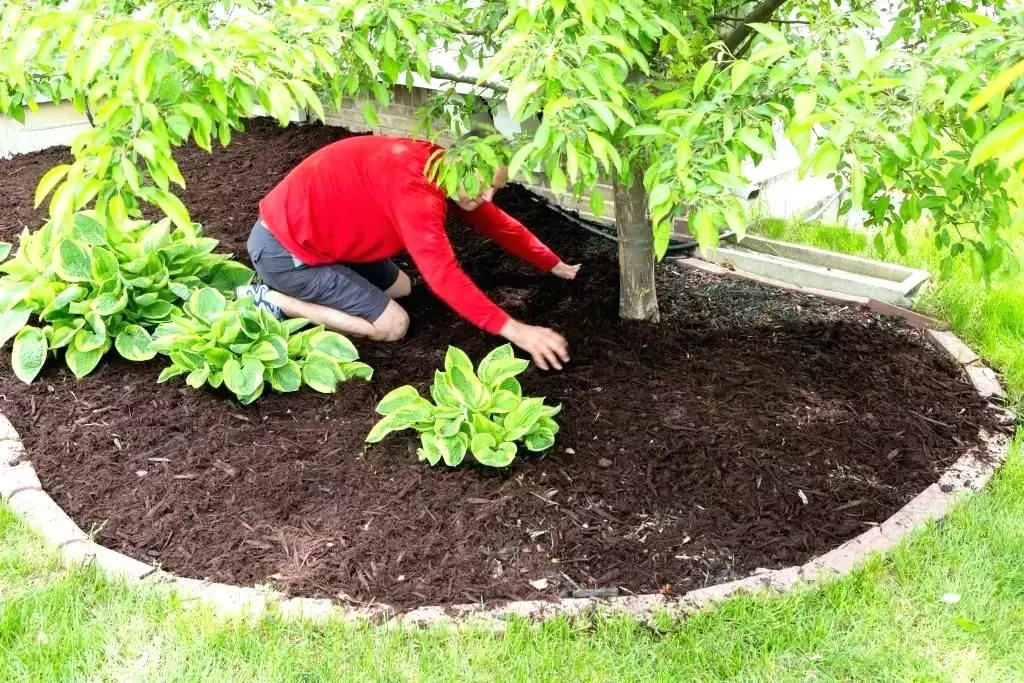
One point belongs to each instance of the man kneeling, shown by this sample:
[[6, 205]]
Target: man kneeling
[[327, 231]]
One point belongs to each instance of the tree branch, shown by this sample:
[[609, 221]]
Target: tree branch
[[760, 13], [734, 20], [455, 78]]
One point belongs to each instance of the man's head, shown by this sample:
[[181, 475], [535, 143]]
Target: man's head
[[488, 186]]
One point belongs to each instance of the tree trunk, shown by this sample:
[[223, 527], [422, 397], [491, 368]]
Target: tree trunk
[[637, 297]]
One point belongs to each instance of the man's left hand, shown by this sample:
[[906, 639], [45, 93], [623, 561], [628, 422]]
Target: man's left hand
[[565, 271]]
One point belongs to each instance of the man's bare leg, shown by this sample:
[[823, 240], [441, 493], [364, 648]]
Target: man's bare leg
[[390, 326], [402, 286]]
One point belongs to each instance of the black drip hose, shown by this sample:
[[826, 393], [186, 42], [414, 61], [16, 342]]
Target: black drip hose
[[674, 246]]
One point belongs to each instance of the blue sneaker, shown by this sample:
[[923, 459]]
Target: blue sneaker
[[259, 298]]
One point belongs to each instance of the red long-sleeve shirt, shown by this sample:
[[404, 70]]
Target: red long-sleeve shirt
[[366, 198]]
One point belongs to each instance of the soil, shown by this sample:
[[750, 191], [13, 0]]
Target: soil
[[751, 428]]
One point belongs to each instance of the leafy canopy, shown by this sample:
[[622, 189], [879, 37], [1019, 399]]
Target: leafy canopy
[[680, 95], [482, 412]]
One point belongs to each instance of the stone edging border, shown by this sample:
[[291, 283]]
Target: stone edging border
[[22, 490]]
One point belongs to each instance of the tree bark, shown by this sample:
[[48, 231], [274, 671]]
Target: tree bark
[[761, 13], [638, 299]]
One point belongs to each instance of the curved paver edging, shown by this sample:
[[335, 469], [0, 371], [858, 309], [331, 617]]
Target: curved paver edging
[[21, 488]]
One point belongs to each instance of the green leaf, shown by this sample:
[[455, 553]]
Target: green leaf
[[286, 378], [197, 378], [62, 334], [389, 424], [49, 181], [334, 345], [73, 262], [857, 186], [370, 114], [457, 358], [600, 147], [134, 343], [272, 352], [996, 87], [449, 427], [398, 399], [242, 379], [207, 304], [854, 53], [518, 159], [803, 104], [468, 387], [596, 202], [89, 340], [919, 135], [170, 372], [557, 181], [173, 208], [741, 69], [539, 441], [1004, 137], [29, 353], [11, 323], [960, 86], [5, 250], [751, 139], [158, 310], [356, 370], [431, 449], [453, 448], [826, 159], [519, 90], [82, 363], [441, 390], [481, 444], [704, 229], [320, 375], [504, 401], [88, 229], [701, 79], [229, 275], [512, 385], [492, 370], [485, 452], [645, 130], [105, 267], [293, 325], [768, 31], [603, 113], [523, 418]]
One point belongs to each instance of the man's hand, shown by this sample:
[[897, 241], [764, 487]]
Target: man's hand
[[565, 271], [548, 348]]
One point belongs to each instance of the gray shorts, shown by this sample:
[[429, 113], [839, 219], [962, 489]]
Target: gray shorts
[[356, 289]]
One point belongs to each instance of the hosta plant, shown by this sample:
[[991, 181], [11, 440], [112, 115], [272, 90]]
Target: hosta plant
[[244, 348], [89, 287], [482, 412]]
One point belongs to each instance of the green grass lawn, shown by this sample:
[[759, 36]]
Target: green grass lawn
[[886, 622]]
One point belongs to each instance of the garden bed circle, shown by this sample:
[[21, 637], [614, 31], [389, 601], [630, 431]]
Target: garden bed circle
[[21, 489]]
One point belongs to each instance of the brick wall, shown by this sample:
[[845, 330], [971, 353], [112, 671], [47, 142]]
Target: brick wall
[[400, 118]]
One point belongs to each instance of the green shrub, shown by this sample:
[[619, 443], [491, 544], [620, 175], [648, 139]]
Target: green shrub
[[244, 348], [482, 412], [90, 287]]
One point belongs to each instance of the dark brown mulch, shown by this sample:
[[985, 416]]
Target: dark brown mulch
[[751, 428]]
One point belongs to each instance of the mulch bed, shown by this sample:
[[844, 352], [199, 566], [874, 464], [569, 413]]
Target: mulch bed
[[751, 428]]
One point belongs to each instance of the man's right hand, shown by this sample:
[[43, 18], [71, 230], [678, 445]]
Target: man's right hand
[[547, 348]]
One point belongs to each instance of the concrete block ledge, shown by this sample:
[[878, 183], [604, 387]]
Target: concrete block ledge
[[20, 486]]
